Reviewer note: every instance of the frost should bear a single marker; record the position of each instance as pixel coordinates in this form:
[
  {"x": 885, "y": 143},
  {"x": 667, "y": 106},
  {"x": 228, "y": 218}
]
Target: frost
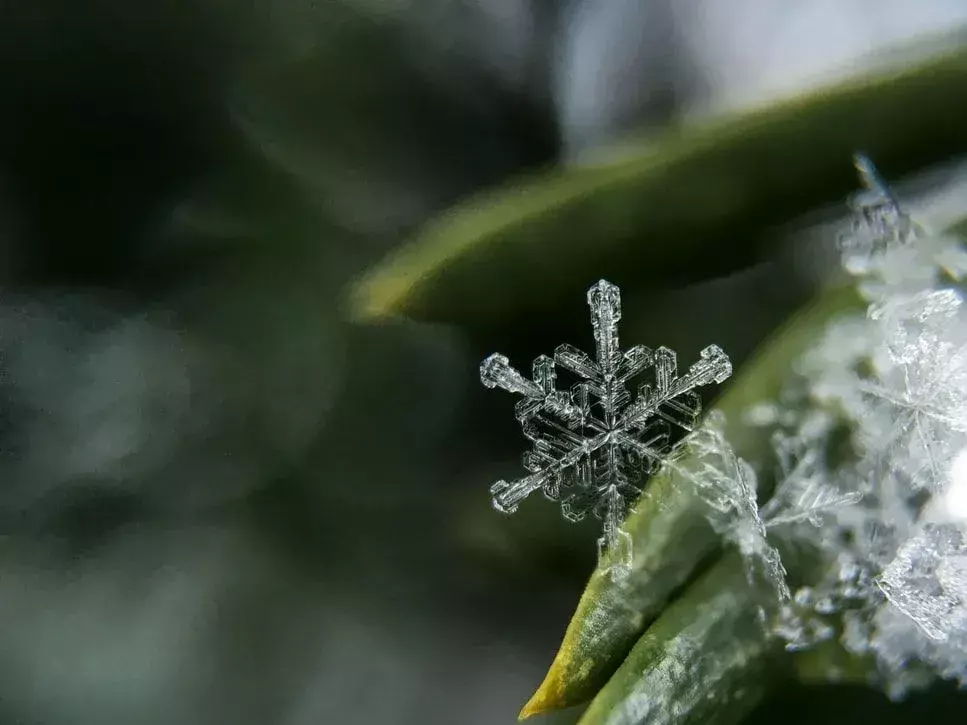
[
  {"x": 927, "y": 581},
  {"x": 804, "y": 493},
  {"x": 879, "y": 226},
  {"x": 593, "y": 445},
  {"x": 925, "y": 622},
  {"x": 727, "y": 484},
  {"x": 870, "y": 438},
  {"x": 886, "y": 518}
]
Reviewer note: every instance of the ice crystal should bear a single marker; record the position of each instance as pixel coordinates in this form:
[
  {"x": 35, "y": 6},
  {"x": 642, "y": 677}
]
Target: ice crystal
[
  {"x": 870, "y": 436},
  {"x": 804, "y": 503},
  {"x": 593, "y": 445},
  {"x": 923, "y": 628},
  {"x": 888, "y": 253},
  {"x": 879, "y": 224},
  {"x": 927, "y": 581},
  {"x": 890, "y": 526},
  {"x": 920, "y": 393},
  {"x": 804, "y": 493},
  {"x": 727, "y": 484}
]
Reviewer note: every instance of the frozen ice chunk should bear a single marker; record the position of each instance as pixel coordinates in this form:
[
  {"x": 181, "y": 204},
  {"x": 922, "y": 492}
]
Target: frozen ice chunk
[{"x": 927, "y": 580}]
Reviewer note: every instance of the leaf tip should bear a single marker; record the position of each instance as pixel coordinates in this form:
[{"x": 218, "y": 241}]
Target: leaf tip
[
  {"x": 543, "y": 700},
  {"x": 367, "y": 302},
  {"x": 557, "y": 691}
]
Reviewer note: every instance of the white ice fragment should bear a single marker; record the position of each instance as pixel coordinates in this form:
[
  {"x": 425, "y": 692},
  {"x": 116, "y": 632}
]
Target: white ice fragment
[
  {"x": 927, "y": 580},
  {"x": 895, "y": 579},
  {"x": 797, "y": 631},
  {"x": 592, "y": 446},
  {"x": 727, "y": 484},
  {"x": 879, "y": 224},
  {"x": 804, "y": 490}
]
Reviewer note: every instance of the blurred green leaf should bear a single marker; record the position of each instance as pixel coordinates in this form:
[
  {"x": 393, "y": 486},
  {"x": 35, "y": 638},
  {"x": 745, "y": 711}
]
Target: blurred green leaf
[
  {"x": 379, "y": 126},
  {"x": 829, "y": 662},
  {"x": 670, "y": 533},
  {"x": 693, "y": 204},
  {"x": 705, "y": 660}
]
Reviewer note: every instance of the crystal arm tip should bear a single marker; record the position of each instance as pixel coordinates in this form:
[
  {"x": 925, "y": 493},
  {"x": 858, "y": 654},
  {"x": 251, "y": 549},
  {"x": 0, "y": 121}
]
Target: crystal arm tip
[
  {"x": 603, "y": 291},
  {"x": 717, "y": 363},
  {"x": 497, "y": 372},
  {"x": 507, "y": 496}
]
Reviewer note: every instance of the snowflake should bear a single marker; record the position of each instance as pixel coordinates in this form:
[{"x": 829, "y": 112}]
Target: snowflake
[{"x": 594, "y": 445}]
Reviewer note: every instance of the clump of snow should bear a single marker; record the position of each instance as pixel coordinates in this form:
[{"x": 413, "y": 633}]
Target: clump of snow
[{"x": 886, "y": 521}]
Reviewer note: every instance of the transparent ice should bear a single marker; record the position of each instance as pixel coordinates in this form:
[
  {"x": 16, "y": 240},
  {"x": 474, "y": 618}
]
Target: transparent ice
[
  {"x": 870, "y": 439},
  {"x": 594, "y": 444},
  {"x": 927, "y": 581},
  {"x": 887, "y": 515},
  {"x": 728, "y": 484},
  {"x": 805, "y": 494},
  {"x": 804, "y": 501}
]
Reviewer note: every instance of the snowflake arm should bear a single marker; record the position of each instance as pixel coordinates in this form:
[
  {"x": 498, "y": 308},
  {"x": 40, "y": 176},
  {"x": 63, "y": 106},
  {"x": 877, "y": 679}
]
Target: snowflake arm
[{"x": 674, "y": 398}]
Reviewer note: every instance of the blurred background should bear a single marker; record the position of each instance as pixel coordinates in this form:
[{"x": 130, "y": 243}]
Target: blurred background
[{"x": 224, "y": 501}]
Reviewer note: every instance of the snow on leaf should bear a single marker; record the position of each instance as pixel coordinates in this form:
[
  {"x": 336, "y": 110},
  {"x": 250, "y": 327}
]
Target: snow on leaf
[
  {"x": 920, "y": 388},
  {"x": 805, "y": 493},
  {"x": 895, "y": 575},
  {"x": 727, "y": 484},
  {"x": 898, "y": 377},
  {"x": 593, "y": 445}
]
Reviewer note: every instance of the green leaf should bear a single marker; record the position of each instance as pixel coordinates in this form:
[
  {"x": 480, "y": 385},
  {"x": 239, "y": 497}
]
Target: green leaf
[
  {"x": 705, "y": 660},
  {"x": 671, "y": 537},
  {"x": 375, "y": 123},
  {"x": 692, "y": 204}
]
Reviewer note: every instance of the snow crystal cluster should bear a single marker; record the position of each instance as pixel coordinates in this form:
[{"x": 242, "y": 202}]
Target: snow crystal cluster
[
  {"x": 594, "y": 445},
  {"x": 728, "y": 485},
  {"x": 871, "y": 490}
]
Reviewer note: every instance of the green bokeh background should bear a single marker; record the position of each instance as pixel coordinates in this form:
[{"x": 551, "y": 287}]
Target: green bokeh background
[{"x": 194, "y": 197}]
